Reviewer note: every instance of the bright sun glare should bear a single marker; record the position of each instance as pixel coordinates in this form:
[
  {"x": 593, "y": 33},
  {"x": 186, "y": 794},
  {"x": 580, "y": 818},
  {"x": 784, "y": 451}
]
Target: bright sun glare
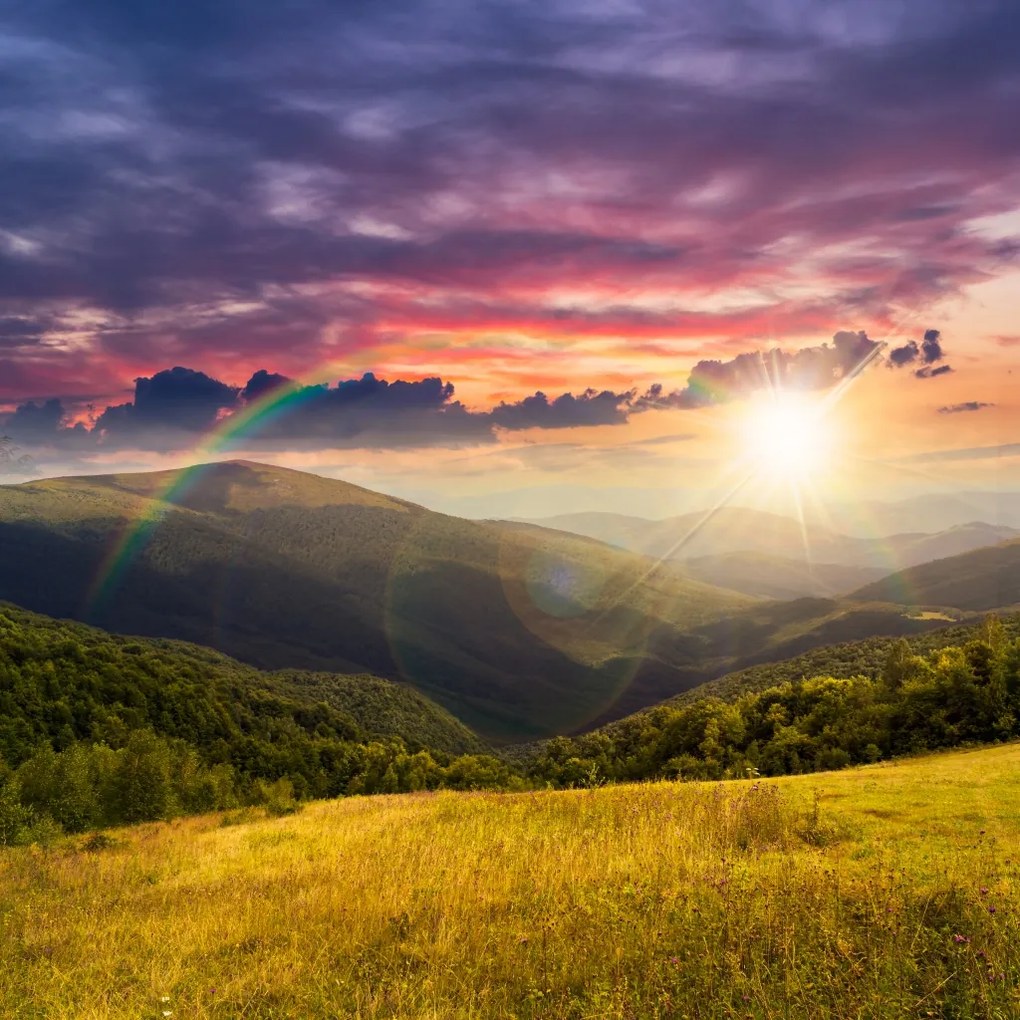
[{"x": 787, "y": 435}]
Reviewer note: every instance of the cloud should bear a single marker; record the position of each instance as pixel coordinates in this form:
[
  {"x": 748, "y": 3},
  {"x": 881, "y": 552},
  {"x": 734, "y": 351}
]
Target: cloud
[
  {"x": 32, "y": 422},
  {"x": 926, "y": 353},
  {"x": 173, "y": 408},
  {"x": 931, "y": 346},
  {"x": 591, "y": 407},
  {"x": 904, "y": 355},
  {"x": 174, "y": 399},
  {"x": 967, "y": 454},
  {"x": 967, "y": 405},
  {"x": 261, "y": 383},
  {"x": 811, "y": 368},
  {"x": 22, "y": 331},
  {"x": 225, "y": 185}
]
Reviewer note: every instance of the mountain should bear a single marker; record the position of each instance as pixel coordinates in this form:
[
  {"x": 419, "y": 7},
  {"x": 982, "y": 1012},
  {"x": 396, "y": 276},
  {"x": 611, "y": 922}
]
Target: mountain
[
  {"x": 977, "y": 580},
  {"x": 63, "y": 681},
  {"x": 935, "y": 511},
  {"x": 767, "y": 554},
  {"x": 767, "y": 632},
  {"x": 864, "y": 657},
  {"x": 520, "y": 632},
  {"x": 777, "y": 577}
]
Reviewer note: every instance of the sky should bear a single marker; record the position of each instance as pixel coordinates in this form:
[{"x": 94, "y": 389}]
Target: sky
[{"x": 512, "y": 258}]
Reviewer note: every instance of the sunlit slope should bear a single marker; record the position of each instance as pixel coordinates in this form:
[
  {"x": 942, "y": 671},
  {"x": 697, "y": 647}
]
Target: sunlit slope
[
  {"x": 981, "y": 579},
  {"x": 879, "y": 892},
  {"x": 778, "y": 577},
  {"x": 520, "y": 632}
]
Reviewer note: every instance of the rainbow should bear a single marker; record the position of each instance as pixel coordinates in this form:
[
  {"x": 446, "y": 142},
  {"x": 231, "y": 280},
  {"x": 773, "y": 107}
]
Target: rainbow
[
  {"x": 274, "y": 404},
  {"x": 255, "y": 415}
]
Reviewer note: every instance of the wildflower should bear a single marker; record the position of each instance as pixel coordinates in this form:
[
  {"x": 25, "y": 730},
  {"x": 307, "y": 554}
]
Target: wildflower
[
  {"x": 984, "y": 890},
  {"x": 961, "y": 939},
  {"x": 991, "y": 909}
]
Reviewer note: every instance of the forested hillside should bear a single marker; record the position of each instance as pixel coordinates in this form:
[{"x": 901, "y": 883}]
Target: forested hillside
[
  {"x": 866, "y": 657},
  {"x": 97, "y": 729},
  {"x": 954, "y": 695},
  {"x": 521, "y": 633}
]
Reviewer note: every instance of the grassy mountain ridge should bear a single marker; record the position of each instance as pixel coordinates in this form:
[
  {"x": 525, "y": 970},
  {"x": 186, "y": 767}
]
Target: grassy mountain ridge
[
  {"x": 518, "y": 632},
  {"x": 978, "y": 580}
]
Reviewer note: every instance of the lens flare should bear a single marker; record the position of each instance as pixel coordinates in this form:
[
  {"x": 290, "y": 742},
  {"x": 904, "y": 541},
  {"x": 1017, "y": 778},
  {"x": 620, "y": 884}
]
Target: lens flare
[{"x": 787, "y": 435}]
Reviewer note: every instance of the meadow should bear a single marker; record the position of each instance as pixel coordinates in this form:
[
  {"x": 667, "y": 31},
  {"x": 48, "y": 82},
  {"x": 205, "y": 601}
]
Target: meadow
[{"x": 883, "y": 891}]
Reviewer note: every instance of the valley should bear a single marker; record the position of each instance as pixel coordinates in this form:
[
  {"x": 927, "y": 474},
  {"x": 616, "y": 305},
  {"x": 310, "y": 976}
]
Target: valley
[{"x": 522, "y": 632}]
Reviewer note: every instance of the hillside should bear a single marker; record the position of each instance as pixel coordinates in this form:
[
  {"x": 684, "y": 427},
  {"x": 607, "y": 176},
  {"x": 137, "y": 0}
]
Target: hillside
[
  {"x": 977, "y": 580},
  {"x": 865, "y": 657},
  {"x": 953, "y": 695},
  {"x": 767, "y": 554},
  {"x": 93, "y": 677},
  {"x": 519, "y": 632},
  {"x": 776, "y": 577},
  {"x": 879, "y": 892}
]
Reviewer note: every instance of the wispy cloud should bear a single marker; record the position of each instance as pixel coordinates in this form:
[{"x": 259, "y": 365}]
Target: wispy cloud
[
  {"x": 967, "y": 405},
  {"x": 292, "y": 185}
]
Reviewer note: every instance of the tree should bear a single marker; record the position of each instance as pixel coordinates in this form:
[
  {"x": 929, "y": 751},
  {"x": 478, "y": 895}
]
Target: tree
[{"x": 143, "y": 790}]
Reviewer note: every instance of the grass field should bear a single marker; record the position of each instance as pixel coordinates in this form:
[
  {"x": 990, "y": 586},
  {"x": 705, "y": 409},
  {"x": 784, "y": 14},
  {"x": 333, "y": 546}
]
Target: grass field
[{"x": 889, "y": 891}]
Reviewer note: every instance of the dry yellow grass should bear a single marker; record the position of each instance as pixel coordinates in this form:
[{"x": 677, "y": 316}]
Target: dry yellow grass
[{"x": 881, "y": 892}]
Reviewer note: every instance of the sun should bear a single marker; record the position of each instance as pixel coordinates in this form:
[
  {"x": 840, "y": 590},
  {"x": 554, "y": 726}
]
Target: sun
[{"x": 787, "y": 435}]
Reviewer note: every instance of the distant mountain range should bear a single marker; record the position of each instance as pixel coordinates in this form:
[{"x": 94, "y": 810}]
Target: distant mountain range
[{"x": 773, "y": 556}]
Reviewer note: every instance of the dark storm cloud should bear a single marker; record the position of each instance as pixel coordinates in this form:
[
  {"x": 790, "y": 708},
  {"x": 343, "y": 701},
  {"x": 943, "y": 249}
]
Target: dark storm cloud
[
  {"x": 174, "y": 399},
  {"x": 172, "y": 409},
  {"x": 931, "y": 346},
  {"x": 904, "y": 355},
  {"x": 811, "y": 368},
  {"x": 261, "y": 383},
  {"x": 33, "y": 422},
  {"x": 967, "y": 405},
  {"x": 592, "y": 407},
  {"x": 926, "y": 353}
]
